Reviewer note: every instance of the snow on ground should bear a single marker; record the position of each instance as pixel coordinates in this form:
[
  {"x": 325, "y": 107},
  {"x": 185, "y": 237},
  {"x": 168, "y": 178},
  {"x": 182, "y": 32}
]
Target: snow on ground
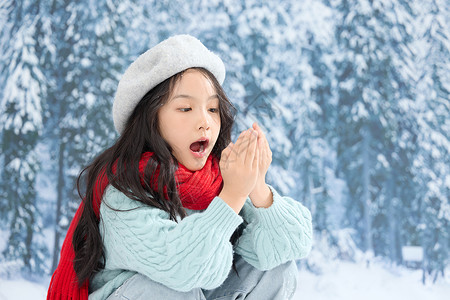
[
  {"x": 20, "y": 289},
  {"x": 344, "y": 280}
]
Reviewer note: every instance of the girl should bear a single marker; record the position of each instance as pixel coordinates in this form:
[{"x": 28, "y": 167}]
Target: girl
[{"x": 174, "y": 205}]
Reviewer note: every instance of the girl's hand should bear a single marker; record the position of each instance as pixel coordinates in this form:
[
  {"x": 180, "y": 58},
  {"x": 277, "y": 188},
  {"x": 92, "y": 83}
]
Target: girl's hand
[
  {"x": 265, "y": 155},
  {"x": 261, "y": 196},
  {"x": 239, "y": 167}
]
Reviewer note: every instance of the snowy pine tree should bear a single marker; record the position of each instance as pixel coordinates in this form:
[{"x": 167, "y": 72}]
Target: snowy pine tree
[
  {"x": 21, "y": 126},
  {"x": 371, "y": 52},
  {"x": 256, "y": 30},
  {"x": 431, "y": 164},
  {"x": 88, "y": 40},
  {"x": 310, "y": 103}
]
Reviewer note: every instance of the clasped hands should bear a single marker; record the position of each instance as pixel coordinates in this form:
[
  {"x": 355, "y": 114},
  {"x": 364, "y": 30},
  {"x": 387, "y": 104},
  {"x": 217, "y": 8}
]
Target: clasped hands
[{"x": 244, "y": 165}]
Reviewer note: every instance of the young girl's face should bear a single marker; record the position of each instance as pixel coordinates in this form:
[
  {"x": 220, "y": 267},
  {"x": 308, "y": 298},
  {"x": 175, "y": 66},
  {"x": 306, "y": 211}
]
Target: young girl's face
[{"x": 190, "y": 121}]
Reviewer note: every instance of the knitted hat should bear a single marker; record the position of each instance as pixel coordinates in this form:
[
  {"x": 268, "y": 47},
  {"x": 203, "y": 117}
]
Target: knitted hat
[{"x": 164, "y": 60}]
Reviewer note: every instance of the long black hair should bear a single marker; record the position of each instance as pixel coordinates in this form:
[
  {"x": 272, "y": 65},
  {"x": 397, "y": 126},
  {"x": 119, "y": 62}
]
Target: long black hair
[{"x": 141, "y": 134}]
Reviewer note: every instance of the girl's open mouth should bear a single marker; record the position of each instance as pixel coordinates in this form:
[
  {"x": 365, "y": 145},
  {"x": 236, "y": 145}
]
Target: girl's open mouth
[{"x": 199, "y": 147}]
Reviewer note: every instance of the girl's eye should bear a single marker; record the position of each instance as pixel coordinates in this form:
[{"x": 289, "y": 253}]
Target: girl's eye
[
  {"x": 184, "y": 109},
  {"x": 214, "y": 110}
]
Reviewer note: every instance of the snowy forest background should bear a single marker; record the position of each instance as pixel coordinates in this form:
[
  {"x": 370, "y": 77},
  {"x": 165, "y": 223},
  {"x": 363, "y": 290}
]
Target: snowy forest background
[{"x": 353, "y": 96}]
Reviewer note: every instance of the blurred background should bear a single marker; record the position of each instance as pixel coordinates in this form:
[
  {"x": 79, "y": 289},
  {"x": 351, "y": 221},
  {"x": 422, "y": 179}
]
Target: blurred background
[{"x": 352, "y": 94}]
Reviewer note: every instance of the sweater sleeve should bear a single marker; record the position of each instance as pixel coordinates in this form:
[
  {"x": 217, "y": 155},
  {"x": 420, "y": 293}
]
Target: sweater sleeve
[
  {"x": 195, "y": 252},
  {"x": 275, "y": 235}
]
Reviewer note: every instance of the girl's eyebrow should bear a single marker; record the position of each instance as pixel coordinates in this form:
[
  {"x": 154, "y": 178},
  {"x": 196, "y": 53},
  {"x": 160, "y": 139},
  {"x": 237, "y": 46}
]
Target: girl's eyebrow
[{"x": 183, "y": 96}]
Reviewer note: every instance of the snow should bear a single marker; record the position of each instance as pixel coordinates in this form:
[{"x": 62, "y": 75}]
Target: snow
[
  {"x": 346, "y": 280},
  {"x": 412, "y": 253},
  {"x": 343, "y": 280},
  {"x": 21, "y": 289}
]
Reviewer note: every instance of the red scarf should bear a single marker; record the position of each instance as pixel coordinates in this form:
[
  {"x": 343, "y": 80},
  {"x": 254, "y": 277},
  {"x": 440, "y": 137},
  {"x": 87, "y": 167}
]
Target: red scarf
[{"x": 196, "y": 190}]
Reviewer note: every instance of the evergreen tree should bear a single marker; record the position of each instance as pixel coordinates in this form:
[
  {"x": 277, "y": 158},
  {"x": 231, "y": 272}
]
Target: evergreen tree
[
  {"x": 431, "y": 164},
  {"x": 310, "y": 102},
  {"x": 6, "y": 28},
  {"x": 105, "y": 63},
  {"x": 64, "y": 108},
  {"x": 150, "y": 22},
  {"x": 88, "y": 49},
  {"x": 371, "y": 43},
  {"x": 256, "y": 31},
  {"x": 21, "y": 126}
]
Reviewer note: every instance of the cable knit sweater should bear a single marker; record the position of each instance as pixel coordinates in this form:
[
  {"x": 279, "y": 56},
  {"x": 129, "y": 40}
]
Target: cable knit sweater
[{"x": 196, "y": 251}]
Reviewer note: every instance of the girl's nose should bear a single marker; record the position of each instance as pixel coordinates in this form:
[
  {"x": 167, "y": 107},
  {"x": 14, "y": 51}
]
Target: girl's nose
[{"x": 203, "y": 120}]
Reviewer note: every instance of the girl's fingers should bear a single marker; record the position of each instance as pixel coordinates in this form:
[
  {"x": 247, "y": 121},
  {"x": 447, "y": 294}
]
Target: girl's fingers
[
  {"x": 236, "y": 147},
  {"x": 224, "y": 162},
  {"x": 226, "y": 152},
  {"x": 257, "y": 128},
  {"x": 247, "y": 144},
  {"x": 256, "y": 160},
  {"x": 260, "y": 140},
  {"x": 261, "y": 149},
  {"x": 243, "y": 141},
  {"x": 261, "y": 136},
  {"x": 251, "y": 149},
  {"x": 265, "y": 154},
  {"x": 267, "y": 143}
]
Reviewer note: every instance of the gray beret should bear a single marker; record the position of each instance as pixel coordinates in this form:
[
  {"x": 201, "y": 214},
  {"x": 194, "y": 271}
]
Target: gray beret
[{"x": 164, "y": 60}]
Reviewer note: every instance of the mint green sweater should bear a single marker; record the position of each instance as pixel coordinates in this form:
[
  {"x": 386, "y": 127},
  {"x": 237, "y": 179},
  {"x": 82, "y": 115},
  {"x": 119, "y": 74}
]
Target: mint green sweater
[{"x": 196, "y": 251}]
